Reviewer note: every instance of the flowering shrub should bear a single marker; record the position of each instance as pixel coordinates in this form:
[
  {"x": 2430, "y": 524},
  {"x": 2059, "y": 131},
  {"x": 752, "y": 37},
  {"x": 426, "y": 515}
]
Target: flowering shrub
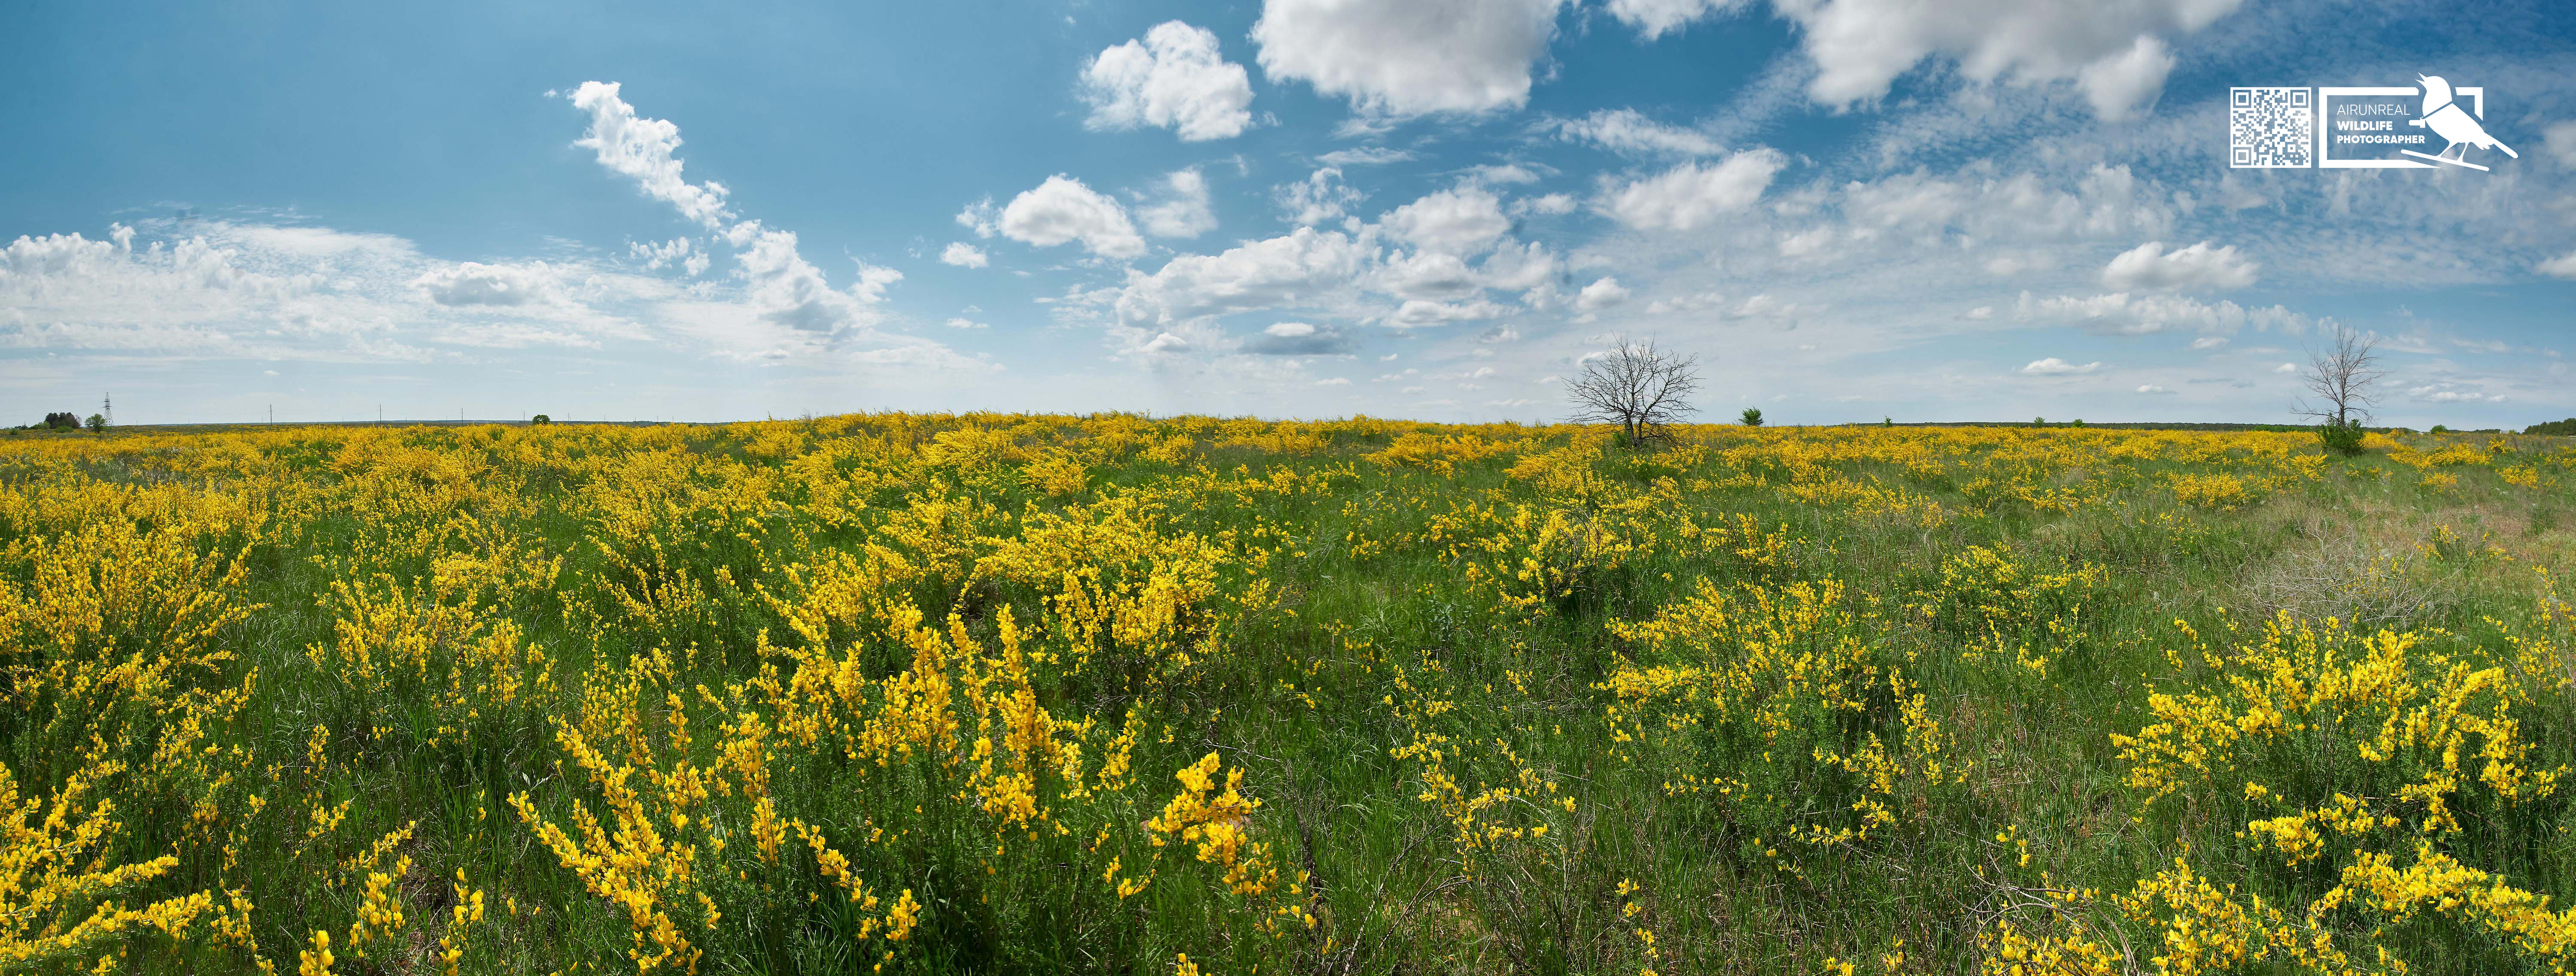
[{"x": 985, "y": 692}]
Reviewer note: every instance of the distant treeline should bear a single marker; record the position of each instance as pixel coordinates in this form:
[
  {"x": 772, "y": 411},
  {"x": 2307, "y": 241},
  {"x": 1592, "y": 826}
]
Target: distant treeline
[
  {"x": 2562, "y": 428},
  {"x": 2133, "y": 425}
]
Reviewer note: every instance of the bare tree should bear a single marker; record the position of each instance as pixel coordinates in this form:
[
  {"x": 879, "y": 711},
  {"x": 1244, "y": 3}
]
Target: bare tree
[
  {"x": 2343, "y": 376},
  {"x": 1637, "y": 386}
]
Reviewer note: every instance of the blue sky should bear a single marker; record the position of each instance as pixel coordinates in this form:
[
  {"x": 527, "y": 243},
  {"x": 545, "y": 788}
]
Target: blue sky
[{"x": 1925, "y": 209}]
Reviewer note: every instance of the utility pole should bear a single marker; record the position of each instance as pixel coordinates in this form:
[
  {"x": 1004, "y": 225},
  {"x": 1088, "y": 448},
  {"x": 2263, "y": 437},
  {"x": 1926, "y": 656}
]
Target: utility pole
[
  {"x": 107, "y": 408},
  {"x": 272, "y": 413}
]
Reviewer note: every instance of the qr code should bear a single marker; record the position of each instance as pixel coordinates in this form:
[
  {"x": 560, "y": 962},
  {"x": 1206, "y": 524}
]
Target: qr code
[{"x": 2270, "y": 128}]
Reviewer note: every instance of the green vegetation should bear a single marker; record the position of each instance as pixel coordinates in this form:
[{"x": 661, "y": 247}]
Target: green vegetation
[{"x": 1107, "y": 694}]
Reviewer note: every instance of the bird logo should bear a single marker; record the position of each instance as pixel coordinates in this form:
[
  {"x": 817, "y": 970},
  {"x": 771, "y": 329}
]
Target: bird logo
[{"x": 2448, "y": 120}]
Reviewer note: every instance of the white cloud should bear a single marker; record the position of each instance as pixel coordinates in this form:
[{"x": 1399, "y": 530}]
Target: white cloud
[
  {"x": 964, "y": 255},
  {"x": 964, "y": 323},
  {"x": 1408, "y": 57},
  {"x": 2208, "y": 342},
  {"x": 2560, "y": 139},
  {"x": 2122, "y": 312},
  {"x": 1414, "y": 314},
  {"x": 2560, "y": 267},
  {"x": 2114, "y": 52},
  {"x": 1503, "y": 173},
  {"x": 1319, "y": 198},
  {"x": 1335, "y": 381},
  {"x": 1182, "y": 208},
  {"x": 1062, "y": 210},
  {"x": 2152, "y": 388},
  {"x": 2053, "y": 366},
  {"x": 981, "y": 217},
  {"x": 1806, "y": 243},
  {"x": 1552, "y": 204},
  {"x": 681, "y": 251},
  {"x": 1980, "y": 313},
  {"x": 2449, "y": 393},
  {"x": 2199, "y": 267},
  {"x": 1690, "y": 195},
  {"x": 2121, "y": 84},
  {"x": 1175, "y": 79},
  {"x": 488, "y": 284},
  {"x": 1364, "y": 156},
  {"x": 785, "y": 289},
  {"x": 1297, "y": 268},
  {"x": 643, "y": 149},
  {"x": 2286, "y": 368},
  {"x": 1289, "y": 330},
  {"x": 1653, "y": 18},
  {"x": 1463, "y": 220},
  {"x": 1626, "y": 130},
  {"x": 1599, "y": 295}
]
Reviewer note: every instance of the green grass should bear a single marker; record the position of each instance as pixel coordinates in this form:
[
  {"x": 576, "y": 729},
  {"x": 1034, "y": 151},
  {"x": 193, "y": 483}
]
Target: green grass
[{"x": 1311, "y": 694}]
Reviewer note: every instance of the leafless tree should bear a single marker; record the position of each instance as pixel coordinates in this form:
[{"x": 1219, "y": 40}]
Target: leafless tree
[
  {"x": 2343, "y": 375},
  {"x": 1637, "y": 386}
]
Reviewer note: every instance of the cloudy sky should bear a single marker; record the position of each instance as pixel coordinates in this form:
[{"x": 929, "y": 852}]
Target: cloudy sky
[{"x": 1849, "y": 209}]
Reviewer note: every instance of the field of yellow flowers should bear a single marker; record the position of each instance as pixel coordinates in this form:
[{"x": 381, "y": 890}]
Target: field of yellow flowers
[{"x": 983, "y": 693}]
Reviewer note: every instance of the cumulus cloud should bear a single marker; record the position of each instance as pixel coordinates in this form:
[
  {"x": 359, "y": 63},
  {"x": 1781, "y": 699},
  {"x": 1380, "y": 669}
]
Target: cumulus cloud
[
  {"x": 644, "y": 149},
  {"x": 964, "y": 323},
  {"x": 1062, "y": 210},
  {"x": 982, "y": 217},
  {"x": 1553, "y": 204},
  {"x": 1626, "y": 130},
  {"x": 964, "y": 255},
  {"x": 1691, "y": 195},
  {"x": 1181, "y": 207},
  {"x": 785, "y": 289},
  {"x": 1408, "y": 57},
  {"x": 1299, "y": 339},
  {"x": 1319, "y": 198},
  {"x": 2120, "y": 84},
  {"x": 2199, "y": 267},
  {"x": 1599, "y": 295},
  {"x": 2563, "y": 266},
  {"x": 1462, "y": 220},
  {"x": 2125, "y": 313},
  {"x": 2152, "y": 388},
  {"x": 2115, "y": 53},
  {"x": 2053, "y": 366},
  {"x": 679, "y": 251},
  {"x": 1291, "y": 270},
  {"x": 1654, "y": 18},
  {"x": 1175, "y": 78},
  {"x": 488, "y": 284},
  {"x": 2208, "y": 342}
]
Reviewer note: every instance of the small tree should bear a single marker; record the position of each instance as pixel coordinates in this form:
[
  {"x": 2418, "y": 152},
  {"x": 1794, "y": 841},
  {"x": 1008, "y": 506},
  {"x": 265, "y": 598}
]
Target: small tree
[
  {"x": 2039, "y": 421},
  {"x": 540, "y": 419},
  {"x": 97, "y": 424},
  {"x": 1637, "y": 386},
  {"x": 2343, "y": 376},
  {"x": 1752, "y": 416}
]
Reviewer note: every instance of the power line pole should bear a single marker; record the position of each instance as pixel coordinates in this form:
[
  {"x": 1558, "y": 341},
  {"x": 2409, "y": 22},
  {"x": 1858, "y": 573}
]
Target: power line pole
[{"x": 107, "y": 408}]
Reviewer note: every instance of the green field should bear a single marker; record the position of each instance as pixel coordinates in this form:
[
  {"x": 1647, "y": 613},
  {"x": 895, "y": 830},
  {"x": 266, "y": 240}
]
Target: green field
[{"x": 907, "y": 693}]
